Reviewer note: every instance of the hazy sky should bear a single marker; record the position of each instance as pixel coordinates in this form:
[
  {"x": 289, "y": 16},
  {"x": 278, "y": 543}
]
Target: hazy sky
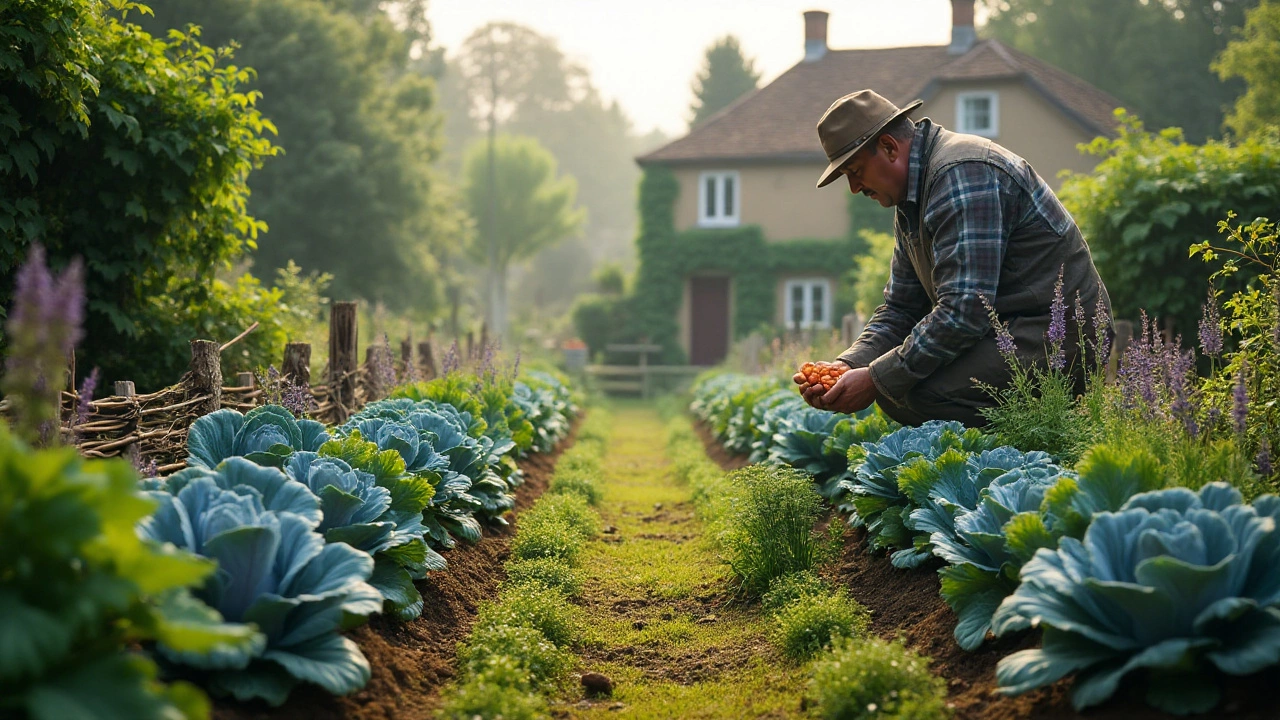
[{"x": 645, "y": 53}]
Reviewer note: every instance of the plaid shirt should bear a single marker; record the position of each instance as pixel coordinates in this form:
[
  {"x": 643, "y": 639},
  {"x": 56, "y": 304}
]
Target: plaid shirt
[{"x": 973, "y": 209}]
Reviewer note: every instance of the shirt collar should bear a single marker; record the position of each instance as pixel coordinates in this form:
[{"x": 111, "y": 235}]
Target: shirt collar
[{"x": 914, "y": 159}]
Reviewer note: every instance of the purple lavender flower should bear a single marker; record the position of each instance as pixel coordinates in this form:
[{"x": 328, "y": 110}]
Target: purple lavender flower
[
  {"x": 1079, "y": 314},
  {"x": 486, "y": 363},
  {"x": 1004, "y": 340},
  {"x": 1101, "y": 328},
  {"x": 1211, "y": 328},
  {"x": 1215, "y": 415},
  {"x": 1240, "y": 402},
  {"x": 1058, "y": 314},
  {"x": 297, "y": 398},
  {"x": 85, "y": 396},
  {"x": 1263, "y": 460},
  {"x": 450, "y": 362},
  {"x": 43, "y": 327},
  {"x": 1183, "y": 407},
  {"x": 515, "y": 369},
  {"x": 148, "y": 469}
]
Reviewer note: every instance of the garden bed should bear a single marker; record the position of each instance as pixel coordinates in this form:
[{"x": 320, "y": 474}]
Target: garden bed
[
  {"x": 908, "y": 602},
  {"x": 412, "y": 661}
]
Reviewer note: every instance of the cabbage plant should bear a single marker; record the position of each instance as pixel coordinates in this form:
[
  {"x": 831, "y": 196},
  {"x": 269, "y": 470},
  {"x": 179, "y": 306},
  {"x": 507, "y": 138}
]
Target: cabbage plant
[
  {"x": 276, "y": 572},
  {"x": 989, "y": 544},
  {"x": 1179, "y": 584},
  {"x": 358, "y": 511},
  {"x": 877, "y": 500},
  {"x": 267, "y": 435},
  {"x": 944, "y": 488}
]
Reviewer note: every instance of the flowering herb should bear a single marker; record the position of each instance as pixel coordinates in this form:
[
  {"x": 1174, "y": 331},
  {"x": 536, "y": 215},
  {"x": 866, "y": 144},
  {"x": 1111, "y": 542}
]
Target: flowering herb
[
  {"x": 43, "y": 327},
  {"x": 1004, "y": 340},
  {"x": 383, "y": 367},
  {"x": 1263, "y": 460},
  {"x": 84, "y": 398},
  {"x": 1057, "y": 334},
  {"x": 1102, "y": 332},
  {"x": 1211, "y": 328},
  {"x": 450, "y": 362}
]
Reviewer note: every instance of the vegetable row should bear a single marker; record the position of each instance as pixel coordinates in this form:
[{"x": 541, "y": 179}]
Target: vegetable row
[
  {"x": 1121, "y": 572},
  {"x": 241, "y": 571}
]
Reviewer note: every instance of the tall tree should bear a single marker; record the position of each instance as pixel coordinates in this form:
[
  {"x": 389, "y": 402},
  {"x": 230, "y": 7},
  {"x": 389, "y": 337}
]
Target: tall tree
[
  {"x": 1255, "y": 56},
  {"x": 726, "y": 75},
  {"x": 549, "y": 97},
  {"x": 520, "y": 208},
  {"x": 1124, "y": 47},
  {"x": 354, "y": 193}
]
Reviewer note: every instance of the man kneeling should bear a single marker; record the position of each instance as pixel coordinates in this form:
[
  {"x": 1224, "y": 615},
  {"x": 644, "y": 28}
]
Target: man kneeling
[{"x": 974, "y": 225}]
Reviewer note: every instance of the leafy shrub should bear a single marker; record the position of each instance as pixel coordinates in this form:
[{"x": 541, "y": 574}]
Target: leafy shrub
[
  {"x": 871, "y": 271},
  {"x": 138, "y": 159},
  {"x": 770, "y": 525},
  {"x": 500, "y": 691},
  {"x": 599, "y": 320},
  {"x": 1151, "y": 197},
  {"x": 277, "y": 572},
  {"x": 1176, "y": 583},
  {"x": 530, "y": 606},
  {"x": 78, "y": 588},
  {"x": 793, "y": 587},
  {"x": 522, "y": 647},
  {"x": 549, "y": 572},
  {"x": 812, "y": 622},
  {"x": 870, "y": 679},
  {"x": 575, "y": 482}
]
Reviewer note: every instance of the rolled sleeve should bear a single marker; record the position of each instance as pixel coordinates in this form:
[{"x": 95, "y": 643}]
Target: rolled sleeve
[
  {"x": 905, "y": 303},
  {"x": 969, "y": 224}
]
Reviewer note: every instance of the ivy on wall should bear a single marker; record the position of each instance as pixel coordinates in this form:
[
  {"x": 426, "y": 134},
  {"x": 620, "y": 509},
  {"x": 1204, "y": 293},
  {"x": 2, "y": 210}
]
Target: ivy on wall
[{"x": 668, "y": 258}]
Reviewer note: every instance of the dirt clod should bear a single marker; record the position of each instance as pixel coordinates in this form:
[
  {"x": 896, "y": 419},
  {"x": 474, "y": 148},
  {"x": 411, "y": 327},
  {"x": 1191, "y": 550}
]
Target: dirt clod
[
  {"x": 595, "y": 684},
  {"x": 706, "y": 620},
  {"x": 609, "y": 530},
  {"x": 639, "y": 625}
]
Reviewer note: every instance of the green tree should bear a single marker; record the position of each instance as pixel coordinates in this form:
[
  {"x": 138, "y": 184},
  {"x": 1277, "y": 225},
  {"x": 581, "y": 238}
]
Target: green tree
[
  {"x": 354, "y": 193},
  {"x": 520, "y": 207},
  {"x": 134, "y": 153},
  {"x": 1151, "y": 197},
  {"x": 726, "y": 75},
  {"x": 1254, "y": 56},
  {"x": 1124, "y": 47}
]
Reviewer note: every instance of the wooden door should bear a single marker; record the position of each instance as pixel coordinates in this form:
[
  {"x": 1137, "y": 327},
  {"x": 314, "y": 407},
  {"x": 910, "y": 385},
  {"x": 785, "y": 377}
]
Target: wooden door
[{"x": 709, "y": 320}]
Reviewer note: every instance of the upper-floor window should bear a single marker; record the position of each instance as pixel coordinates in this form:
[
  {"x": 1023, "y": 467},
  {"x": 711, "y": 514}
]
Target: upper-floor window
[
  {"x": 808, "y": 304},
  {"x": 978, "y": 113},
  {"x": 718, "y": 199}
]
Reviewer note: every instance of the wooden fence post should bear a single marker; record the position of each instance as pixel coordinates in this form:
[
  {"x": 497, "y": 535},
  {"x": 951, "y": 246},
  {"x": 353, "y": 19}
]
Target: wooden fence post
[
  {"x": 344, "y": 340},
  {"x": 471, "y": 345},
  {"x": 406, "y": 353},
  {"x": 244, "y": 380},
  {"x": 125, "y": 388},
  {"x": 206, "y": 376},
  {"x": 427, "y": 360},
  {"x": 297, "y": 363}
]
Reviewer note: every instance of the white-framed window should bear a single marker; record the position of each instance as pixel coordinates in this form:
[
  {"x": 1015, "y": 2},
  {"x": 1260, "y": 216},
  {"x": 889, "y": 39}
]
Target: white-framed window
[
  {"x": 808, "y": 303},
  {"x": 978, "y": 113},
  {"x": 718, "y": 194}
]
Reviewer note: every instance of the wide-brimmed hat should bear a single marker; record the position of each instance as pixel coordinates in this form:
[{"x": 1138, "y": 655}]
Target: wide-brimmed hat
[{"x": 850, "y": 122}]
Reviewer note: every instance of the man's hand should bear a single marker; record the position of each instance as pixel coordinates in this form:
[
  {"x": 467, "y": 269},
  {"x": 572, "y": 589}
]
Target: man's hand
[{"x": 854, "y": 391}]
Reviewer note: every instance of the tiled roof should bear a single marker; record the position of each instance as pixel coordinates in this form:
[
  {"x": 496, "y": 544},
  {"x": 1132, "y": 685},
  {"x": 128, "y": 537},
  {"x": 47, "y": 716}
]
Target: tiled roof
[{"x": 777, "y": 121}]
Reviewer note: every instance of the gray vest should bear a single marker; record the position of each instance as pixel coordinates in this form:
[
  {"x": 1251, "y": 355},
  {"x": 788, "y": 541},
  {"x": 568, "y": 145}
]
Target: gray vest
[{"x": 1034, "y": 251}]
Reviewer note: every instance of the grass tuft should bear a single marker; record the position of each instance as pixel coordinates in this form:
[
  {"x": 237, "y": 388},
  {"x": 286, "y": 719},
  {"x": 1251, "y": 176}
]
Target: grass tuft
[
  {"x": 866, "y": 679},
  {"x": 768, "y": 529},
  {"x": 812, "y": 623}
]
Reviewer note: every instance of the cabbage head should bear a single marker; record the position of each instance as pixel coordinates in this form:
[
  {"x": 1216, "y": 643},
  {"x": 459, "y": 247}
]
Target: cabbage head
[
  {"x": 275, "y": 572},
  {"x": 267, "y": 435},
  {"x": 359, "y": 512},
  {"x": 1179, "y": 584}
]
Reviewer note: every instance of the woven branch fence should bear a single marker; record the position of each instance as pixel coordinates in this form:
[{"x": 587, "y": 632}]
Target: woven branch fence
[{"x": 151, "y": 429}]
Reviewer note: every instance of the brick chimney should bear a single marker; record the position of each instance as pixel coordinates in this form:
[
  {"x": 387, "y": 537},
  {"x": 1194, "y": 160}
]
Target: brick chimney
[
  {"x": 963, "y": 34},
  {"x": 815, "y": 34}
]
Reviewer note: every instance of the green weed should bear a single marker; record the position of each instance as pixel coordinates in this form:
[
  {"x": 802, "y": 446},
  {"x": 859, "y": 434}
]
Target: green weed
[
  {"x": 870, "y": 679},
  {"x": 791, "y": 587},
  {"x": 811, "y": 623},
  {"x": 498, "y": 648},
  {"x": 549, "y": 572},
  {"x": 530, "y": 606},
  {"x": 768, "y": 529}
]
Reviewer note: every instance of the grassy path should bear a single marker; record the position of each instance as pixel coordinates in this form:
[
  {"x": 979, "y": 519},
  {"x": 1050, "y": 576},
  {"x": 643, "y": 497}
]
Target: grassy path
[{"x": 659, "y": 623}]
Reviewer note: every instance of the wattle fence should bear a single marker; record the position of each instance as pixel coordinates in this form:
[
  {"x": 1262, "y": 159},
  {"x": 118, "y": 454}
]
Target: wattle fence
[{"x": 150, "y": 429}]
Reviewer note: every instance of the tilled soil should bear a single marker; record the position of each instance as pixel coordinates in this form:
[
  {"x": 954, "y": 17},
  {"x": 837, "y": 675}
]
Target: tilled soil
[
  {"x": 907, "y": 603},
  {"x": 412, "y": 661}
]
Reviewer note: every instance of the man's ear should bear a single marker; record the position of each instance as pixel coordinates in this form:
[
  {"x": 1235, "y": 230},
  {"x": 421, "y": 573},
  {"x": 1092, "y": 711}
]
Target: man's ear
[{"x": 889, "y": 144}]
